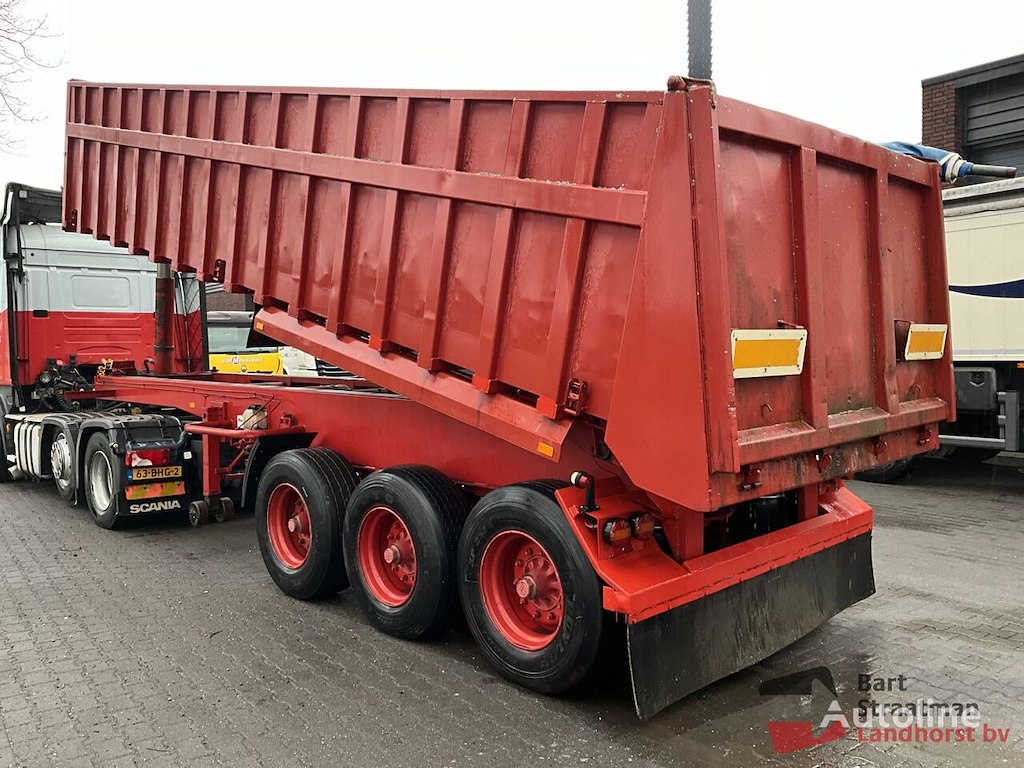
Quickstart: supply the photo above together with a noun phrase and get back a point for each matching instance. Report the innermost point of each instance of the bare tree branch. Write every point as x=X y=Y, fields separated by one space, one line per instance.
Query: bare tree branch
x=20 y=32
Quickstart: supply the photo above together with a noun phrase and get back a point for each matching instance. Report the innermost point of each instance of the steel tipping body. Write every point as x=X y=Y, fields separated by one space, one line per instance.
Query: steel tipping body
x=520 y=260
x=575 y=274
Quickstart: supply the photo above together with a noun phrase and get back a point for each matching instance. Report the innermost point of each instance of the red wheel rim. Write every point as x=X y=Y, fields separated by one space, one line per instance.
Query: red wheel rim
x=387 y=557
x=288 y=525
x=521 y=590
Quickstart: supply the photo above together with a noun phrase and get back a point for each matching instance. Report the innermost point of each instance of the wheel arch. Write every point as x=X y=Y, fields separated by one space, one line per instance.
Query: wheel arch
x=51 y=424
x=87 y=426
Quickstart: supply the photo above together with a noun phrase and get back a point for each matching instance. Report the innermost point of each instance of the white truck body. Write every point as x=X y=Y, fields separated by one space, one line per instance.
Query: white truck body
x=985 y=253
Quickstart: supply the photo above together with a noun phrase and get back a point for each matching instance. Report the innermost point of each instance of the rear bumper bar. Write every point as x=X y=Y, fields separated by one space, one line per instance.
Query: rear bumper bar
x=692 y=623
x=645 y=582
x=682 y=650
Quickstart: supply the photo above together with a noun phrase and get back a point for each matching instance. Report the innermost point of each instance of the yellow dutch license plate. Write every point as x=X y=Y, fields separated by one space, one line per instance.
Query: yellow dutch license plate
x=154 y=490
x=153 y=473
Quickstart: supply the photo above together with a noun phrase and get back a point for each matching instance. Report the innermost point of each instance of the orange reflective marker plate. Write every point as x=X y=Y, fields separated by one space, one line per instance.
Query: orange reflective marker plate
x=762 y=352
x=925 y=341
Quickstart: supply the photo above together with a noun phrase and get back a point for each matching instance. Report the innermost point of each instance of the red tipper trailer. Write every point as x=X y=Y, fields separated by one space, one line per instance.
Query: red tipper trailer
x=699 y=316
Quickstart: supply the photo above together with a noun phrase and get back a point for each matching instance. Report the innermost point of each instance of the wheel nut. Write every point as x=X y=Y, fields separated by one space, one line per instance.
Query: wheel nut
x=393 y=555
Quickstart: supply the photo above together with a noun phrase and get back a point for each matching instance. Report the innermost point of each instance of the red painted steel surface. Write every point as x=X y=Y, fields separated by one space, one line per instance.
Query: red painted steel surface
x=522 y=591
x=91 y=336
x=644 y=581
x=374 y=430
x=482 y=252
x=288 y=525
x=370 y=429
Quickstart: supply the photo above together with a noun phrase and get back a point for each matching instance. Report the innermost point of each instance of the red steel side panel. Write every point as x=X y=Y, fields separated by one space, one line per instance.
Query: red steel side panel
x=485 y=252
x=491 y=234
x=372 y=429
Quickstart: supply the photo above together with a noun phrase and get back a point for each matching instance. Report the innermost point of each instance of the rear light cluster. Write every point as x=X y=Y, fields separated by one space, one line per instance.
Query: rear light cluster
x=618 y=532
x=154 y=457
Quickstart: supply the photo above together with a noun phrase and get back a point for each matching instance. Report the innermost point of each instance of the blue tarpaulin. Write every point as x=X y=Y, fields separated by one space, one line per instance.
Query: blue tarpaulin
x=951 y=165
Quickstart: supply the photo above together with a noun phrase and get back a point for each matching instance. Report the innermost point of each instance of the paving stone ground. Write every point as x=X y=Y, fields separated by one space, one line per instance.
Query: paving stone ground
x=166 y=646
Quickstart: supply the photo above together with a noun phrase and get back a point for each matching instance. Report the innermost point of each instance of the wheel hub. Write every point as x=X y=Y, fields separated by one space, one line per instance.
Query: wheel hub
x=526 y=588
x=521 y=589
x=288 y=525
x=60 y=459
x=392 y=555
x=101 y=481
x=387 y=556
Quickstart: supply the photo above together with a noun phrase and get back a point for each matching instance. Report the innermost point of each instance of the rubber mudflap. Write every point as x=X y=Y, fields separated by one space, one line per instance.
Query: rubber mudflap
x=678 y=652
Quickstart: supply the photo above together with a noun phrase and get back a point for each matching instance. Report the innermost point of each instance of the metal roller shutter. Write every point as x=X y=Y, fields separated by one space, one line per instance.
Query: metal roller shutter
x=994 y=121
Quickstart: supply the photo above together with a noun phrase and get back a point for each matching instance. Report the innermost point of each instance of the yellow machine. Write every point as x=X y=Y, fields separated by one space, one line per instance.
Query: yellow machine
x=230 y=352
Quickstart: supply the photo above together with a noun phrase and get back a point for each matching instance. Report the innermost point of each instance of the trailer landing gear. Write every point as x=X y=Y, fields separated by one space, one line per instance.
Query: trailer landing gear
x=225 y=510
x=200 y=511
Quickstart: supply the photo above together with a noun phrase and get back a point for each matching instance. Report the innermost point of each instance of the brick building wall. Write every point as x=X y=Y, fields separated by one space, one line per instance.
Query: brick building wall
x=941 y=115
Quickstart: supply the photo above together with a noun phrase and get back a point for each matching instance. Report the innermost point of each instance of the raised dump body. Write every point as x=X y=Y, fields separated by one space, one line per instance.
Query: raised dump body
x=621 y=257
x=704 y=313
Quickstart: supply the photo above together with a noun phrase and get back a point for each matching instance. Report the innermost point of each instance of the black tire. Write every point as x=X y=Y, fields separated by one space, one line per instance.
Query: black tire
x=198 y=513
x=530 y=508
x=889 y=473
x=225 y=510
x=103 y=483
x=62 y=464
x=967 y=456
x=432 y=510
x=324 y=481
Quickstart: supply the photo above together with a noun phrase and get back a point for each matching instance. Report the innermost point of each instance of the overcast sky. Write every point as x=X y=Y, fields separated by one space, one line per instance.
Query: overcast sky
x=855 y=66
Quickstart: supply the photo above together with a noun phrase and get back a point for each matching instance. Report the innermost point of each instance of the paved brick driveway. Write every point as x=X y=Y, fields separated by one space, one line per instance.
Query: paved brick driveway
x=165 y=646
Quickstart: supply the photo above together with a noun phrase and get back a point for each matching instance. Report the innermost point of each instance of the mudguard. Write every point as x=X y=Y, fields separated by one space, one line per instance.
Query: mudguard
x=682 y=650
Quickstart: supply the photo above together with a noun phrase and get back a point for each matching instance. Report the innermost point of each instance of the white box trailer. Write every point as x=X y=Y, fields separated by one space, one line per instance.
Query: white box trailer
x=985 y=252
